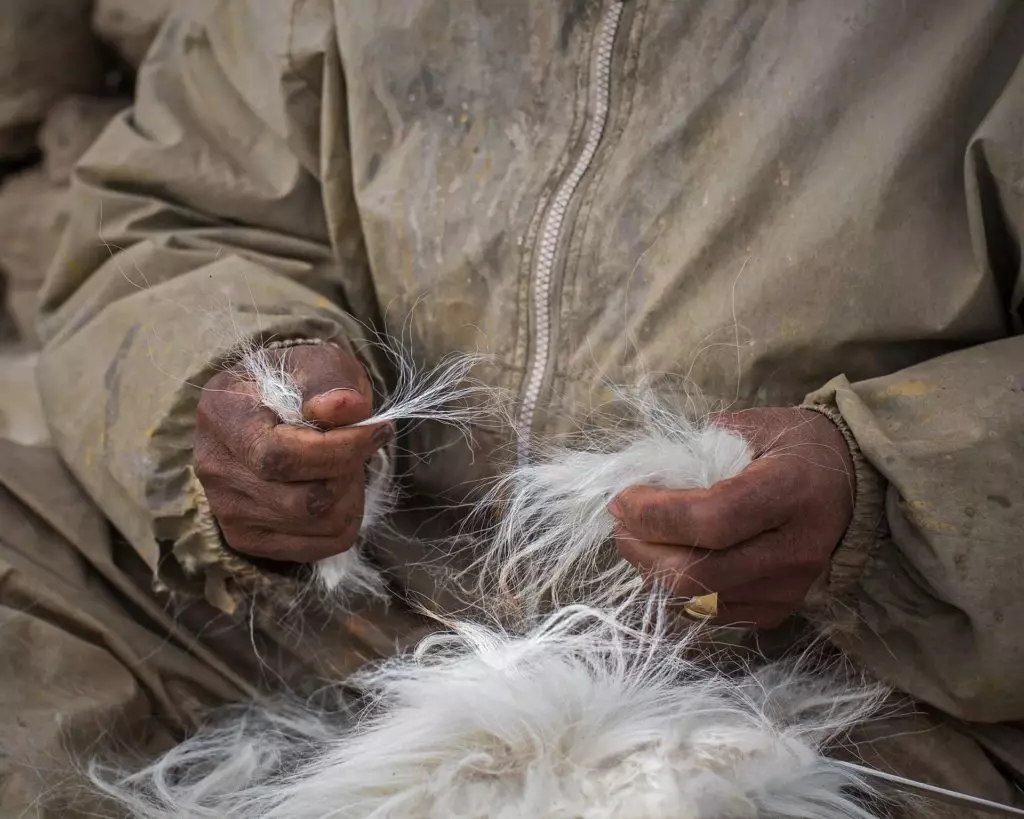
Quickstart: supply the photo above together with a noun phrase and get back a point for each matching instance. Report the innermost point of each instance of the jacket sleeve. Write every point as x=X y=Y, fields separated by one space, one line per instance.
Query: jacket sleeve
x=198 y=225
x=927 y=587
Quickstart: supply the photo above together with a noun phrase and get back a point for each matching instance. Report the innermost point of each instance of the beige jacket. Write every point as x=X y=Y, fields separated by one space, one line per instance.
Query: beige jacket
x=777 y=199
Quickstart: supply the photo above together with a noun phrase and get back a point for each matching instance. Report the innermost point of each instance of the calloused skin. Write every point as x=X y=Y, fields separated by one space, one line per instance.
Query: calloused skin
x=287 y=493
x=759 y=539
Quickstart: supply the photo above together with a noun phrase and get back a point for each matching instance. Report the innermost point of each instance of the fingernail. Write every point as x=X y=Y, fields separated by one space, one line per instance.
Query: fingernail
x=324 y=395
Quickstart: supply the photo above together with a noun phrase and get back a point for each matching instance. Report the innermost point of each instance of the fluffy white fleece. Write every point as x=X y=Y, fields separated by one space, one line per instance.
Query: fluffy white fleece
x=552 y=542
x=591 y=715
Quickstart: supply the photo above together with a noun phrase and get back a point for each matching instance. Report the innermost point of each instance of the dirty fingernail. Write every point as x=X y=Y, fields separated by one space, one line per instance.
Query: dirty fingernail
x=317 y=399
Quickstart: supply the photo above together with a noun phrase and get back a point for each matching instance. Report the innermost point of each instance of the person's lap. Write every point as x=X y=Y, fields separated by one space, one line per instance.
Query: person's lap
x=93 y=662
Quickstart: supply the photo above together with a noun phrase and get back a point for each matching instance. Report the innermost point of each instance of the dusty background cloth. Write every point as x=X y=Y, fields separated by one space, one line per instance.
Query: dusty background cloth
x=93 y=660
x=94 y=664
x=784 y=202
x=66 y=67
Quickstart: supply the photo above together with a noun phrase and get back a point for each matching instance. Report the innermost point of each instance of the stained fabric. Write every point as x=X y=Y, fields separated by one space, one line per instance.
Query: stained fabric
x=785 y=201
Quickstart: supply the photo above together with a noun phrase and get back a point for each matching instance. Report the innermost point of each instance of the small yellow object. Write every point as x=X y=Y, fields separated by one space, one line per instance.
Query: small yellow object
x=704 y=607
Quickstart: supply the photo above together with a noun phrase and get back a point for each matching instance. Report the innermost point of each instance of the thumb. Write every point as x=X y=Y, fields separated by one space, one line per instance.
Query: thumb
x=337 y=407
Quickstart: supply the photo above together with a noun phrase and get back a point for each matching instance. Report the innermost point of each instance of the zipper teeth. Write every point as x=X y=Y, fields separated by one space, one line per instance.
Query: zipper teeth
x=554 y=222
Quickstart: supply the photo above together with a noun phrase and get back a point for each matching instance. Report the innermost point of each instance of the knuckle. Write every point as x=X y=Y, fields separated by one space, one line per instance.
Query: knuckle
x=207 y=462
x=256 y=542
x=268 y=460
x=205 y=467
x=240 y=537
x=658 y=518
x=690 y=573
x=346 y=523
x=206 y=412
x=322 y=497
x=253 y=452
x=709 y=527
x=292 y=505
x=229 y=511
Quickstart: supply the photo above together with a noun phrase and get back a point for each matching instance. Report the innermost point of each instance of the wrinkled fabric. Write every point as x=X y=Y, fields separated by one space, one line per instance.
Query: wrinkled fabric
x=95 y=665
x=785 y=202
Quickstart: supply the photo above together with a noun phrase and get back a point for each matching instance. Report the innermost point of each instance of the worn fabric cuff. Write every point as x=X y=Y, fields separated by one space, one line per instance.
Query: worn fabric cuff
x=832 y=601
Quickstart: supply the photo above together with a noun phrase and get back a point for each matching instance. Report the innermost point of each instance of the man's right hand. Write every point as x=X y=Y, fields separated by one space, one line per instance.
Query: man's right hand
x=282 y=492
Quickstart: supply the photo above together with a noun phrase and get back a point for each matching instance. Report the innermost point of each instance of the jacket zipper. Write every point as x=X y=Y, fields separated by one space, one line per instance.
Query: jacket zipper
x=554 y=226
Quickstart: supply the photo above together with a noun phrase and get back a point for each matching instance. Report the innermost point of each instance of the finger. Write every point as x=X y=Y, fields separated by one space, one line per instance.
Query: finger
x=335 y=388
x=689 y=572
x=288 y=454
x=287 y=548
x=759 y=498
x=212 y=461
x=753 y=615
x=320 y=508
x=783 y=589
x=232 y=414
x=308 y=508
x=337 y=407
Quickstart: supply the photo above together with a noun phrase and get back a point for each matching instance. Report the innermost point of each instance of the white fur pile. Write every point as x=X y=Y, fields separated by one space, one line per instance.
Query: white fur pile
x=583 y=717
x=444 y=393
x=552 y=542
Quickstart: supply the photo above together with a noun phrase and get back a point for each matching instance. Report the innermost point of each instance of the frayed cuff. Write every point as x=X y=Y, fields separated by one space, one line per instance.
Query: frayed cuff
x=833 y=600
x=228 y=578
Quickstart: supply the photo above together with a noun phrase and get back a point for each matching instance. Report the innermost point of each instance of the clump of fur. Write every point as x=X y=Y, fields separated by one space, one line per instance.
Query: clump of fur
x=590 y=714
x=551 y=544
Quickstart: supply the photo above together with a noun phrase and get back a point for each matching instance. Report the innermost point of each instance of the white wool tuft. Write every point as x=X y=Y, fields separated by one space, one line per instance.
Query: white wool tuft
x=583 y=717
x=552 y=542
x=350 y=573
x=277 y=389
x=444 y=393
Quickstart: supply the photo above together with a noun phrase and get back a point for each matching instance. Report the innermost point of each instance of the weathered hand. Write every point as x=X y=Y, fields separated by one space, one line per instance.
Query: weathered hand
x=759 y=539
x=283 y=492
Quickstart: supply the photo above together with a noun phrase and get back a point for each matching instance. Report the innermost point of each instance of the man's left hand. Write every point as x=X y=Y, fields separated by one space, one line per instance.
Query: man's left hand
x=759 y=539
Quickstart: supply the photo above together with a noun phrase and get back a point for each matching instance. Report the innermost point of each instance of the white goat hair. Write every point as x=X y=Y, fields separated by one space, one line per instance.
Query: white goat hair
x=444 y=393
x=550 y=545
x=583 y=717
x=349 y=573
